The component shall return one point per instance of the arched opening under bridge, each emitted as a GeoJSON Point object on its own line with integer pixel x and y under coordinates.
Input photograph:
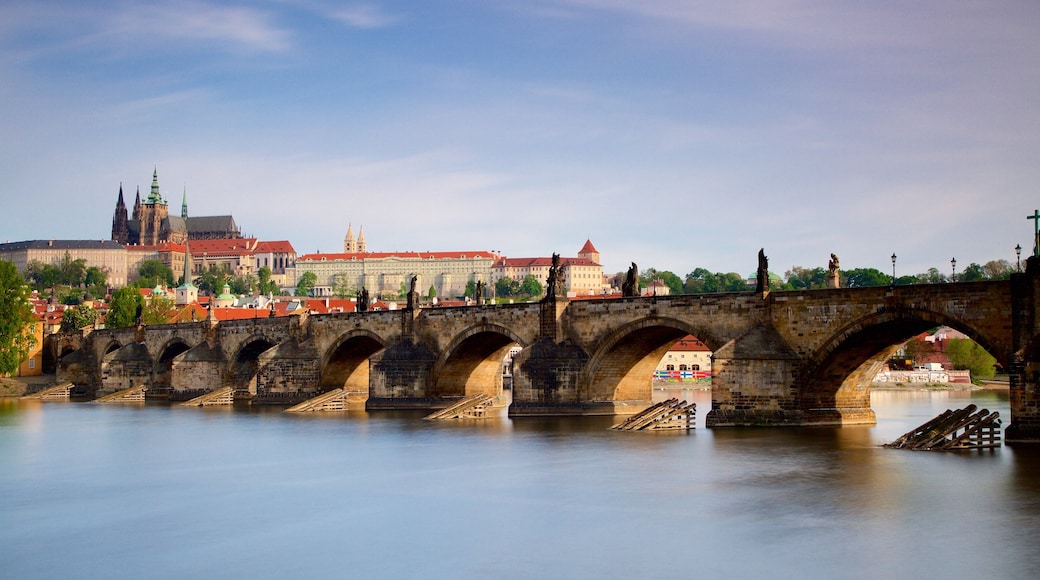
{"type": "Point", "coordinates": [347, 366]}
{"type": "Point", "coordinates": [243, 372]}
{"type": "Point", "coordinates": [473, 364]}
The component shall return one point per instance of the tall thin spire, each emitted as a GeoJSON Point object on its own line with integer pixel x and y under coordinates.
{"type": "Point", "coordinates": [154, 196]}
{"type": "Point", "coordinates": [349, 246]}
{"type": "Point", "coordinates": [120, 227]}
{"type": "Point", "coordinates": [184, 203]}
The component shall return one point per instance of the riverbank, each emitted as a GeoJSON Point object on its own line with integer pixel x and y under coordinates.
{"type": "Point", "coordinates": [996, 384]}
{"type": "Point", "coordinates": [21, 386]}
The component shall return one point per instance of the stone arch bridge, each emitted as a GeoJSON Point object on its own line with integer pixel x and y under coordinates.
{"type": "Point", "coordinates": [780, 358]}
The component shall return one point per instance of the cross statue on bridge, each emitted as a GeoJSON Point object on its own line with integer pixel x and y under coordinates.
{"type": "Point", "coordinates": [1036, 231]}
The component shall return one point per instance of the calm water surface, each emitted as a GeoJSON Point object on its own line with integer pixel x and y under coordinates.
{"type": "Point", "coordinates": [100, 491]}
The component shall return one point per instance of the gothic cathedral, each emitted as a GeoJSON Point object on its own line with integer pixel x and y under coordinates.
{"type": "Point", "coordinates": [151, 223]}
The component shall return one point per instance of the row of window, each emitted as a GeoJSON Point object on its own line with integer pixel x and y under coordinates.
{"type": "Point", "coordinates": [683, 367]}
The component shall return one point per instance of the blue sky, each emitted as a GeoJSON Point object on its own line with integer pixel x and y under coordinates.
{"type": "Point", "coordinates": [676, 134]}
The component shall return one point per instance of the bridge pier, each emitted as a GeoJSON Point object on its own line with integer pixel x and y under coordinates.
{"type": "Point", "coordinates": [287, 374]}
{"type": "Point", "coordinates": [125, 368]}
{"type": "Point", "coordinates": [196, 371]}
{"type": "Point", "coordinates": [546, 377]}
{"type": "Point", "coordinates": [400, 377]}
{"type": "Point", "coordinates": [1024, 369]}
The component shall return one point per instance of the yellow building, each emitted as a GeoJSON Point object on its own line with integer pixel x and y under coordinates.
{"type": "Point", "coordinates": [582, 276]}
{"type": "Point", "coordinates": [687, 361]}
{"type": "Point", "coordinates": [33, 364]}
{"type": "Point", "coordinates": [106, 255]}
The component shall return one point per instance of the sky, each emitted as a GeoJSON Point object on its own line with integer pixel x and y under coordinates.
{"type": "Point", "coordinates": [674, 134]}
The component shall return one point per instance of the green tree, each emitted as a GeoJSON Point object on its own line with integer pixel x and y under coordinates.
{"type": "Point", "coordinates": [264, 283]}
{"type": "Point", "coordinates": [530, 286]}
{"type": "Point", "coordinates": [78, 318]}
{"type": "Point", "coordinates": [95, 278]}
{"type": "Point", "coordinates": [41, 275]}
{"type": "Point", "coordinates": [506, 287]}
{"type": "Point", "coordinates": [16, 318]}
{"type": "Point", "coordinates": [72, 272]}
{"type": "Point", "coordinates": [865, 277]}
{"type": "Point", "coordinates": [153, 273]}
{"type": "Point", "coordinates": [933, 276]}
{"type": "Point", "coordinates": [342, 287]}
{"type": "Point", "coordinates": [471, 289]}
{"type": "Point", "coordinates": [966, 354]}
{"type": "Point", "coordinates": [122, 310]}
{"type": "Point", "coordinates": [431, 293]}
{"type": "Point", "coordinates": [997, 269]}
{"type": "Point", "coordinates": [916, 349]}
{"type": "Point", "coordinates": [242, 284]}
{"type": "Point", "coordinates": [798, 278]}
{"type": "Point", "coordinates": [732, 282]}
{"type": "Point", "coordinates": [157, 310]}
{"type": "Point", "coordinates": [670, 279]}
{"type": "Point", "coordinates": [700, 281]}
{"type": "Point", "coordinates": [212, 280]}
{"type": "Point", "coordinates": [972, 273]}
{"type": "Point", "coordinates": [306, 283]}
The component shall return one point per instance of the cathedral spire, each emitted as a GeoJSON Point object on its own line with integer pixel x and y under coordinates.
{"type": "Point", "coordinates": [184, 203]}
{"type": "Point", "coordinates": [154, 196]}
{"type": "Point", "coordinates": [349, 247]}
{"type": "Point", "coordinates": [362, 247]}
{"type": "Point", "coordinates": [120, 226]}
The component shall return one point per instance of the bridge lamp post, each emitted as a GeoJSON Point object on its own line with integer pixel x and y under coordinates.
{"type": "Point", "coordinates": [1018, 256]}
{"type": "Point", "coordinates": [893, 269]}
{"type": "Point", "coordinates": [953, 268]}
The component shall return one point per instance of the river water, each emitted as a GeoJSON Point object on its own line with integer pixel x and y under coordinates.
{"type": "Point", "coordinates": [103, 491]}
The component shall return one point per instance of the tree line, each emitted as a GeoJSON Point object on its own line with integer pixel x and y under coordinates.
{"type": "Point", "coordinates": [702, 280]}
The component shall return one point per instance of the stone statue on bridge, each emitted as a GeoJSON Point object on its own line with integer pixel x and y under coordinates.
{"type": "Point", "coordinates": [762, 279]}
{"type": "Point", "coordinates": [552, 284]}
{"type": "Point", "coordinates": [362, 300]}
{"type": "Point", "coordinates": [833, 276]}
{"type": "Point", "coordinates": [413, 294]}
{"type": "Point", "coordinates": [630, 287]}
{"type": "Point", "coordinates": [480, 292]}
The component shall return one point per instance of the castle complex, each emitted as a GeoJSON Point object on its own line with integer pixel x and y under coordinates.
{"type": "Point", "coordinates": [151, 223]}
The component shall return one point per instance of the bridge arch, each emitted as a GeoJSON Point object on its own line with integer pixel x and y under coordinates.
{"type": "Point", "coordinates": [163, 372]}
{"type": "Point", "coordinates": [838, 375]}
{"type": "Point", "coordinates": [622, 365]}
{"type": "Point", "coordinates": [345, 363]}
{"type": "Point", "coordinates": [242, 370]}
{"type": "Point", "coordinates": [111, 346]}
{"type": "Point", "coordinates": [472, 362]}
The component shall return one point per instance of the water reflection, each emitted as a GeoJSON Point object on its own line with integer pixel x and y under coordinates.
{"type": "Point", "coordinates": [174, 492]}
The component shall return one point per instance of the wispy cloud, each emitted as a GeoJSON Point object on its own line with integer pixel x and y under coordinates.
{"type": "Point", "coordinates": [363, 16]}
{"type": "Point", "coordinates": [234, 26]}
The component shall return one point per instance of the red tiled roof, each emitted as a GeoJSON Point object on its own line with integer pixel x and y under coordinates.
{"type": "Point", "coordinates": [275, 247]}
{"type": "Point", "coordinates": [588, 248]}
{"type": "Point", "coordinates": [541, 262]}
{"type": "Point", "coordinates": [689, 343]}
{"type": "Point", "coordinates": [235, 247]}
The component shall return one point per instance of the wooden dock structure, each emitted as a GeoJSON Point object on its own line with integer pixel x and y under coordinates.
{"type": "Point", "coordinates": [131, 395]}
{"type": "Point", "coordinates": [334, 400]}
{"type": "Point", "coordinates": [221, 396]}
{"type": "Point", "coordinates": [669, 415]}
{"type": "Point", "coordinates": [472, 407]}
{"type": "Point", "coordinates": [954, 429]}
{"type": "Point", "coordinates": [61, 392]}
